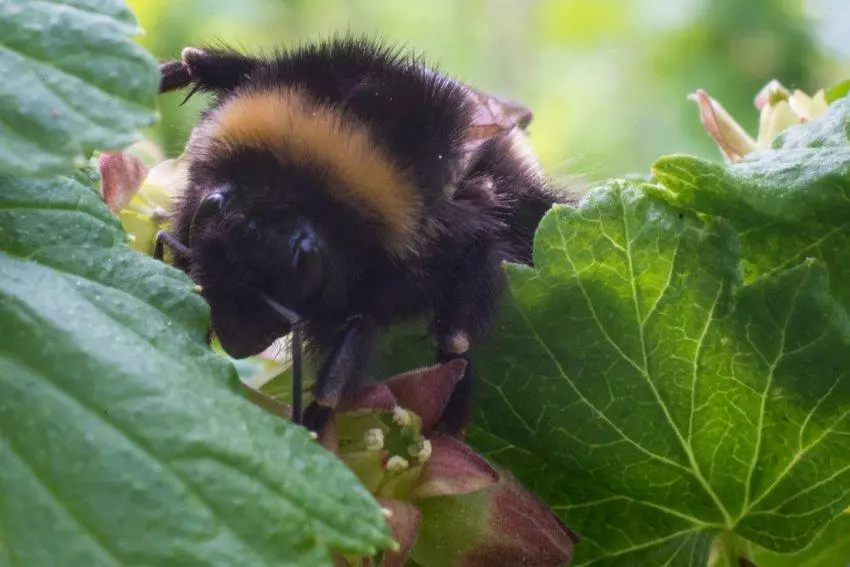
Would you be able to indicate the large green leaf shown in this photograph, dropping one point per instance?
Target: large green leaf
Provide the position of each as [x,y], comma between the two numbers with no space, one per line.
[788,204]
[653,400]
[73,81]
[122,440]
[831,548]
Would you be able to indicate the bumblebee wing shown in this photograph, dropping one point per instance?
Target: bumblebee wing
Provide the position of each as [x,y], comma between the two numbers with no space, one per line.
[493,117]
[495,111]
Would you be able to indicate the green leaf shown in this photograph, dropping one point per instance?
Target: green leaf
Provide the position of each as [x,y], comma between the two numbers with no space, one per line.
[652,400]
[788,204]
[830,549]
[838,91]
[73,81]
[122,440]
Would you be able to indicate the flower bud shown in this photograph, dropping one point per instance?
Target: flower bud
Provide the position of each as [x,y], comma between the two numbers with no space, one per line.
[498,524]
[778,110]
[449,506]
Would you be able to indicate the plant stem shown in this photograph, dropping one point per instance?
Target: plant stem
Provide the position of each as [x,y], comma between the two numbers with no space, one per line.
[736,550]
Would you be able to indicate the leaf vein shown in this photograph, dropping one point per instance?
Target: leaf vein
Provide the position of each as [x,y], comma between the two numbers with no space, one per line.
[763,409]
[99,542]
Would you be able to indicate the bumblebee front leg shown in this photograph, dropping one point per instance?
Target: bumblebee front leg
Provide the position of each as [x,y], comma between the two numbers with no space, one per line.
[343,370]
[464,315]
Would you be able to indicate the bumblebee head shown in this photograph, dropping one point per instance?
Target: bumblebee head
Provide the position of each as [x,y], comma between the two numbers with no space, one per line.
[240,252]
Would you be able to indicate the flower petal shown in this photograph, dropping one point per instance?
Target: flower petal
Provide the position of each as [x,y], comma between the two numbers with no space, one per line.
[370,396]
[774,119]
[807,107]
[122,175]
[404,522]
[426,391]
[730,137]
[770,94]
[453,468]
[524,531]
[503,524]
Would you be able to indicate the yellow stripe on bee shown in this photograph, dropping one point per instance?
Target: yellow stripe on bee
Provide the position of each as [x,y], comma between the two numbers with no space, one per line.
[301,131]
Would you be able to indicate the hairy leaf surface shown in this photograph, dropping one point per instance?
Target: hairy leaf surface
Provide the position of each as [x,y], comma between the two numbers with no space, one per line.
[788,204]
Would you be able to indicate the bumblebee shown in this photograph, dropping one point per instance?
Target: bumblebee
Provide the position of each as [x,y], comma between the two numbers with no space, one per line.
[342,186]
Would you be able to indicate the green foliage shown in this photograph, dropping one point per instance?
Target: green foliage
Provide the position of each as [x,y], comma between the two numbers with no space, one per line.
[670,376]
[788,204]
[123,441]
[838,90]
[666,399]
[73,81]
[653,392]
[831,548]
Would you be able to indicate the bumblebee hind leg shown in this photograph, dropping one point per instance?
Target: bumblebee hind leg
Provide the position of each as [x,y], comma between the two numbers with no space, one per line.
[343,370]
[465,314]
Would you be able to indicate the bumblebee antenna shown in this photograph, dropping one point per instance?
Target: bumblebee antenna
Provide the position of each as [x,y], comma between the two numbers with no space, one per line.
[176,246]
[295,352]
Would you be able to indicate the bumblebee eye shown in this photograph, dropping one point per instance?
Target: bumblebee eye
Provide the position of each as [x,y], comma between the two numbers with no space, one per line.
[209,206]
[307,261]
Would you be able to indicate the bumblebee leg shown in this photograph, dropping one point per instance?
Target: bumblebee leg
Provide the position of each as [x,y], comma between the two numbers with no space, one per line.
[163,238]
[458,412]
[466,314]
[209,70]
[342,371]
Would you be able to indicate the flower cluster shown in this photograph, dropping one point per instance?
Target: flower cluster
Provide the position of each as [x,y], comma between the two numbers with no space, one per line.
[447,505]
[779,109]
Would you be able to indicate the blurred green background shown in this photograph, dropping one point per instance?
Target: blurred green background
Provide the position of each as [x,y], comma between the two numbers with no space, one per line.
[606,79]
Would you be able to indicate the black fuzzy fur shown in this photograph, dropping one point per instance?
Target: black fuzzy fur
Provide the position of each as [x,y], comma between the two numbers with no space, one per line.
[419,119]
